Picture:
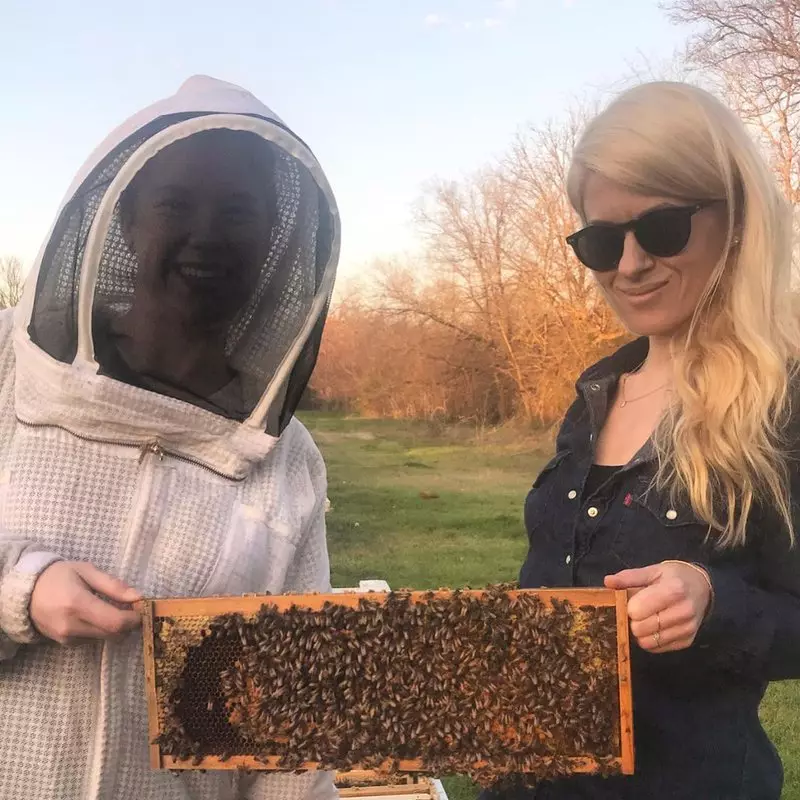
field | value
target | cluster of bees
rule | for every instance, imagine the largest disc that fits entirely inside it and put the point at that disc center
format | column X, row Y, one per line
column 489, row 685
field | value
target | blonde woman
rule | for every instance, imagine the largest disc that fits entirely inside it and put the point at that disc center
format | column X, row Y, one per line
column 675, row 475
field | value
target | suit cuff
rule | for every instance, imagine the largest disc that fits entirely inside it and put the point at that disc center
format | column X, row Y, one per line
column 16, row 589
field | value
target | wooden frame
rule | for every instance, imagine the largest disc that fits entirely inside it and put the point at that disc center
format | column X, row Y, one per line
column 624, row 672
column 422, row 790
column 249, row 605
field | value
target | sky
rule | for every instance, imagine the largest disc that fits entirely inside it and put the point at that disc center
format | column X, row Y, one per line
column 389, row 94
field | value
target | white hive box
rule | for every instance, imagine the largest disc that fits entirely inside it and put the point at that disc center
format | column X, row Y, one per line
column 422, row 789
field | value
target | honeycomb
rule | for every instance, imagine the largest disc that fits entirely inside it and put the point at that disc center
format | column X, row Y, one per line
column 493, row 685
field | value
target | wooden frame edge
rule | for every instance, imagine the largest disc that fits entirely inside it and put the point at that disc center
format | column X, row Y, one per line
column 365, row 775
column 251, row 604
column 145, row 608
column 579, row 764
column 421, row 790
column 625, row 694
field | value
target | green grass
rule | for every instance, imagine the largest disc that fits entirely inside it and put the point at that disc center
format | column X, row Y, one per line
column 780, row 713
column 424, row 508
column 421, row 513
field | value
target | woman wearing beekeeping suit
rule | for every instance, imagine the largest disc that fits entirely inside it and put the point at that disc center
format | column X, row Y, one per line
column 147, row 438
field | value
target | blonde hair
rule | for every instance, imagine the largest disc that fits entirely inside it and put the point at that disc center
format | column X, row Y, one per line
column 720, row 443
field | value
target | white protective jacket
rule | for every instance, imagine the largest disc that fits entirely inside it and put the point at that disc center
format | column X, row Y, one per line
column 170, row 497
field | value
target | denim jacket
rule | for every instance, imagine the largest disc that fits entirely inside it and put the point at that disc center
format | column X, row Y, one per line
column 696, row 726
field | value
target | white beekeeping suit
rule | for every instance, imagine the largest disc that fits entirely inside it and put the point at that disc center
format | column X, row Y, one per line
column 147, row 389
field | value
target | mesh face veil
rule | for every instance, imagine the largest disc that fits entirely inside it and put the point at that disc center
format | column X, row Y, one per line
column 195, row 260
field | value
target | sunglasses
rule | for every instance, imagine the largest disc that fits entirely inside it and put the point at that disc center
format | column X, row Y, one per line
column 663, row 232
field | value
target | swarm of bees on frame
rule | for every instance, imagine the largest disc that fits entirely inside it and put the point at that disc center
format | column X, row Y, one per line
column 496, row 686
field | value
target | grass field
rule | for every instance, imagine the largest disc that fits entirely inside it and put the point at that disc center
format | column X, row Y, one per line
column 424, row 509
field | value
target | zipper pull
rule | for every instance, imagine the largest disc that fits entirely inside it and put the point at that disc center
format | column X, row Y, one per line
column 151, row 447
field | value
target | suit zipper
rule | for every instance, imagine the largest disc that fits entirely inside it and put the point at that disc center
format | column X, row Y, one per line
column 151, row 447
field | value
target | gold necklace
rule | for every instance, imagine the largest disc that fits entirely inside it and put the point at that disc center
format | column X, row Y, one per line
column 626, row 400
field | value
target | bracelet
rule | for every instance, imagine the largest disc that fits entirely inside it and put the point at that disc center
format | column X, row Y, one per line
column 702, row 570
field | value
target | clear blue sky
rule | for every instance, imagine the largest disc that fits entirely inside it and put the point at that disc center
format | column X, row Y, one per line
column 388, row 93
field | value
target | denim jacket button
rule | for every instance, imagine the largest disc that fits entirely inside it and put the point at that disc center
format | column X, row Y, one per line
column 572, row 495
column 672, row 514
column 592, row 512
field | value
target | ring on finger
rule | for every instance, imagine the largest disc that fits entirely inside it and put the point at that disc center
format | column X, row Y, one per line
column 658, row 622
column 657, row 638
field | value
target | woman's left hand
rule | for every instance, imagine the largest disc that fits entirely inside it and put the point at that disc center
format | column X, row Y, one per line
column 667, row 603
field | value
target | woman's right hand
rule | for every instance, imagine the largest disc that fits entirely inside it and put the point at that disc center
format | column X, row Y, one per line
column 66, row 608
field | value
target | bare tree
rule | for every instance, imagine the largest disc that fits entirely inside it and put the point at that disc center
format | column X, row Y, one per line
column 563, row 319
column 11, row 281
column 501, row 280
column 750, row 49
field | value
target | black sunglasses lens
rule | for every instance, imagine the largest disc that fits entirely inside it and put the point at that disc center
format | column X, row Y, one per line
column 599, row 247
column 665, row 232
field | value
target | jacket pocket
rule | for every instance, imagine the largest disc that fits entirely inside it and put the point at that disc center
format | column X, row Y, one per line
column 543, row 493
column 254, row 557
column 653, row 529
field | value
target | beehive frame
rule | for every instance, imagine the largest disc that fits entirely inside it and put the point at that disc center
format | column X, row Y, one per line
column 249, row 606
column 416, row 789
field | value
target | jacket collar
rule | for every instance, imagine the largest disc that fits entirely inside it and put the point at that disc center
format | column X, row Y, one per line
column 627, row 358
column 49, row 393
column 598, row 383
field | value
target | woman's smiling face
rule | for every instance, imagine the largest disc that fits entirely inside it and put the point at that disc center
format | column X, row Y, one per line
column 199, row 218
column 654, row 296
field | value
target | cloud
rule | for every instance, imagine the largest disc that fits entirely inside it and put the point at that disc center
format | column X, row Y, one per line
column 507, row 5
column 433, row 20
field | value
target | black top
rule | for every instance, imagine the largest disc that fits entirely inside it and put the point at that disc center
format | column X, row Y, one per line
column 598, row 477
column 696, row 727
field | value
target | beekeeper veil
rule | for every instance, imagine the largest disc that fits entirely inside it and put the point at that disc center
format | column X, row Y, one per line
column 194, row 259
